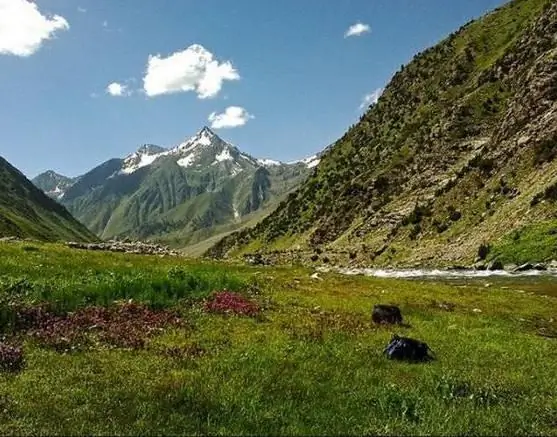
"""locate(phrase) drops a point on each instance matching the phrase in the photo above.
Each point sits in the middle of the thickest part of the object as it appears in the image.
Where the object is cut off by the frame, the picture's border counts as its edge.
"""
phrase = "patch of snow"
(237, 170)
(186, 161)
(236, 213)
(313, 163)
(58, 192)
(310, 162)
(137, 161)
(223, 156)
(268, 162)
(203, 138)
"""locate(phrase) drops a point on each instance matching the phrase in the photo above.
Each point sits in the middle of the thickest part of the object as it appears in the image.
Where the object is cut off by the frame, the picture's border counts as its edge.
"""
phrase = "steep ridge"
(179, 195)
(26, 212)
(458, 152)
(53, 184)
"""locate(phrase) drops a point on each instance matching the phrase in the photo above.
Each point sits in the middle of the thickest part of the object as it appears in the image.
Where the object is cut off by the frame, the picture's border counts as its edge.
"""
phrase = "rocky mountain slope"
(458, 154)
(180, 195)
(26, 212)
(53, 184)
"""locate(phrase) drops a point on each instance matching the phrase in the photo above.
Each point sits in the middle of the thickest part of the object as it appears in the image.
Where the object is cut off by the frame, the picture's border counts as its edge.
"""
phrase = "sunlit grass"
(309, 364)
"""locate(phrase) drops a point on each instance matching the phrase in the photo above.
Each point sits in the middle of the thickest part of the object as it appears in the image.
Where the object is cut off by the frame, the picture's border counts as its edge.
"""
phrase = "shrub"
(416, 216)
(440, 226)
(454, 214)
(11, 358)
(227, 302)
(126, 325)
(483, 251)
(484, 165)
(550, 193)
(545, 151)
(415, 231)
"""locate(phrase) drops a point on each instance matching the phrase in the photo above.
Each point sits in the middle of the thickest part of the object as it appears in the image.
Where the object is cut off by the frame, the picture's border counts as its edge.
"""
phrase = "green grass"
(73, 279)
(534, 243)
(310, 365)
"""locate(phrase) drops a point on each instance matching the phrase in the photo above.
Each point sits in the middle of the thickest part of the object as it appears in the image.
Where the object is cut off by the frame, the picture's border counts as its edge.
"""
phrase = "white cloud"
(118, 90)
(233, 116)
(193, 69)
(371, 98)
(82, 10)
(357, 30)
(23, 28)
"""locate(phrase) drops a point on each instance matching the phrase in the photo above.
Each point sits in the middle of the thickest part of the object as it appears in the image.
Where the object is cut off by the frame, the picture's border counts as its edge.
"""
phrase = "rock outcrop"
(136, 247)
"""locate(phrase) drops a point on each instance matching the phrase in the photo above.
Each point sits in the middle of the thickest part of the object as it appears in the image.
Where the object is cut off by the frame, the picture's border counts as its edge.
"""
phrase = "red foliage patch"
(126, 325)
(11, 358)
(227, 302)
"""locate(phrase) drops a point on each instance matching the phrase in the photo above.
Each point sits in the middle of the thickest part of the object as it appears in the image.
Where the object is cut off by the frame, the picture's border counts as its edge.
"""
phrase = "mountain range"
(180, 195)
(26, 212)
(456, 157)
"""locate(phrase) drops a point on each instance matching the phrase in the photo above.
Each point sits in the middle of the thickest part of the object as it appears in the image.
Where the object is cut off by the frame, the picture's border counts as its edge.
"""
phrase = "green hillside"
(457, 153)
(26, 212)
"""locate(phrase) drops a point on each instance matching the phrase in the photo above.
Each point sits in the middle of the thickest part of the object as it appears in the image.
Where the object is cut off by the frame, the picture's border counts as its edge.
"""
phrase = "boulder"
(495, 265)
(480, 265)
(316, 276)
(524, 267)
(386, 314)
(408, 349)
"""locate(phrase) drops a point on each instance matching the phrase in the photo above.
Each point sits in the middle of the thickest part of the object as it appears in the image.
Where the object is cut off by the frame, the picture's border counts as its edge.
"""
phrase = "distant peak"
(150, 149)
(51, 174)
(206, 130)
(205, 137)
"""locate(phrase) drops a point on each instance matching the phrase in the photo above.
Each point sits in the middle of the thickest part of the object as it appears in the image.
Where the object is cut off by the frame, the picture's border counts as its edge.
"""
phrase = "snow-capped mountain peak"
(145, 155)
(204, 138)
(202, 150)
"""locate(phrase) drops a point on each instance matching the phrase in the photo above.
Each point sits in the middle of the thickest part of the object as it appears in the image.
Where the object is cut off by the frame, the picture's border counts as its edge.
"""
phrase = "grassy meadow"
(129, 344)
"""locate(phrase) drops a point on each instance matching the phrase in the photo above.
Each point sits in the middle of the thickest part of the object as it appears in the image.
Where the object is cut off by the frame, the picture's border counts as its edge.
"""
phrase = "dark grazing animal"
(389, 314)
(408, 349)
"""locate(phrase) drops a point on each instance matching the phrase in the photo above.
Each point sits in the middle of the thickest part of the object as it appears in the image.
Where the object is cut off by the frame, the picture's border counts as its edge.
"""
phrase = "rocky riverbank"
(136, 247)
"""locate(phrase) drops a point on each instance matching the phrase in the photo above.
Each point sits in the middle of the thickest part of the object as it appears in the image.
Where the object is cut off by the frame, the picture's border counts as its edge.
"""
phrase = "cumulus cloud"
(23, 28)
(357, 30)
(233, 116)
(193, 69)
(118, 90)
(371, 98)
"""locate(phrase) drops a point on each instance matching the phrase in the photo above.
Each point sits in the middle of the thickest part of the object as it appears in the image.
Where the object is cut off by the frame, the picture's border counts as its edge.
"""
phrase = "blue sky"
(288, 64)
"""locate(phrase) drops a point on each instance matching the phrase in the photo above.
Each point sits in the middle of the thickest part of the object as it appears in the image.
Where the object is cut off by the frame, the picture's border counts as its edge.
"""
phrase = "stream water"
(530, 281)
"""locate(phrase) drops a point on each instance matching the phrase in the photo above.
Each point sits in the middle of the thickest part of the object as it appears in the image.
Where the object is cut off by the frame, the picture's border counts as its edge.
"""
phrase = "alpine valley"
(203, 187)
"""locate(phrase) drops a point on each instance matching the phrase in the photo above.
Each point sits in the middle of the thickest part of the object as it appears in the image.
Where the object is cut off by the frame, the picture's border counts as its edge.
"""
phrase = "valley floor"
(130, 344)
